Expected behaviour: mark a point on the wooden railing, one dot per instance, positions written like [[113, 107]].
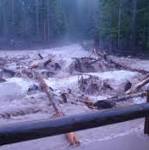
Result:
[[24, 131]]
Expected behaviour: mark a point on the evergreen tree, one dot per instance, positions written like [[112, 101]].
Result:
[[115, 24]]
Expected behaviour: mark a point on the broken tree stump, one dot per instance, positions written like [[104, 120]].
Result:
[[146, 127]]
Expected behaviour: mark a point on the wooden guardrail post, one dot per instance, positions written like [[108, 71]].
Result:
[[146, 127]]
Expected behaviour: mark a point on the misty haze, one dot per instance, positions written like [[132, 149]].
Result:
[[70, 65]]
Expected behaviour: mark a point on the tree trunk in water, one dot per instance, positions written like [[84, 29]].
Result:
[[37, 18], [48, 19], [71, 137], [13, 16], [5, 25], [138, 85], [96, 42], [119, 22], [134, 14], [44, 31]]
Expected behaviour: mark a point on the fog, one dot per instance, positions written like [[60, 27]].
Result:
[[114, 24], [62, 58]]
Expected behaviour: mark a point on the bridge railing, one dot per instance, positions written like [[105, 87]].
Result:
[[19, 132]]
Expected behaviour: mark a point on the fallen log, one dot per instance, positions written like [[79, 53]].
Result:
[[133, 89], [46, 90], [43, 63], [40, 56], [138, 86], [71, 137], [111, 102], [110, 60], [126, 97], [128, 67], [18, 112], [105, 104], [47, 62]]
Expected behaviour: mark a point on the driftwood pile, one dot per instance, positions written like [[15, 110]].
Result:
[[117, 64], [89, 64], [19, 112], [131, 91], [92, 85], [87, 85], [48, 67]]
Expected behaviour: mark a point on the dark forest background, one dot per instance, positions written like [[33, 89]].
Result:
[[112, 24]]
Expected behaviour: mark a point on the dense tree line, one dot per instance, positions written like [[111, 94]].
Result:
[[40, 19], [115, 24], [124, 23]]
